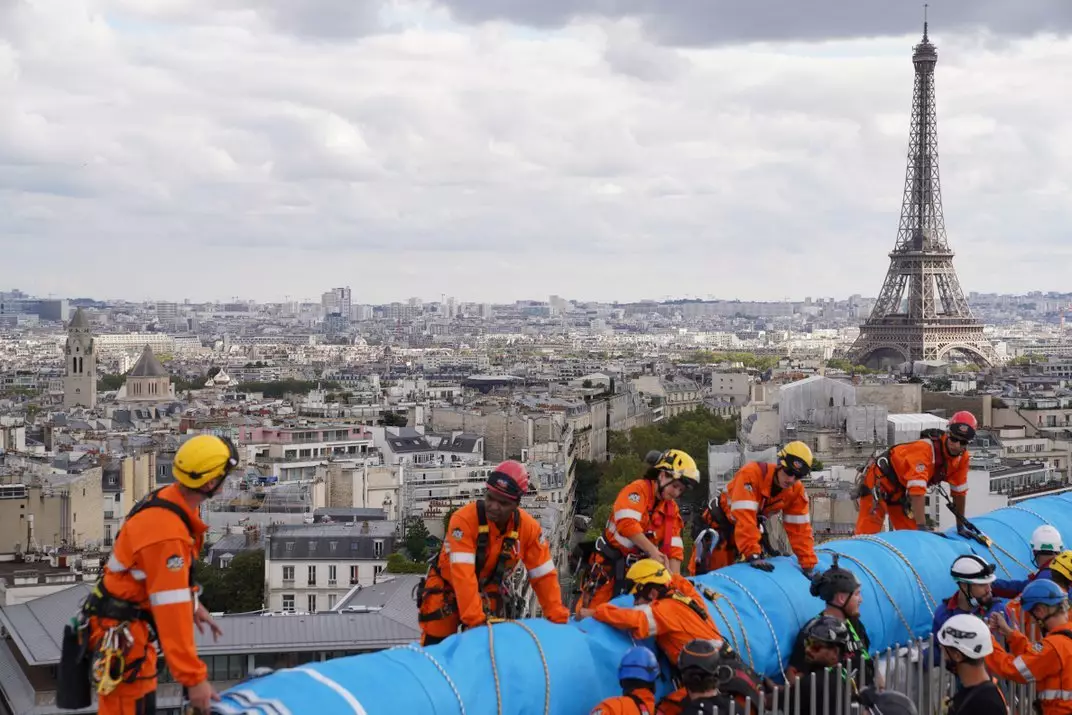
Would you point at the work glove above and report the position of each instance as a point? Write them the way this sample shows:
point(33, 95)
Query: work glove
point(758, 562)
point(810, 573)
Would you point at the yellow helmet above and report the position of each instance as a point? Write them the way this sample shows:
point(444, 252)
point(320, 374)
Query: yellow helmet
point(202, 459)
point(1062, 564)
point(796, 458)
point(647, 571)
point(679, 464)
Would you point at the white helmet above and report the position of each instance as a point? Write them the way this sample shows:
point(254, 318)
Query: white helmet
point(972, 569)
point(1046, 539)
point(968, 634)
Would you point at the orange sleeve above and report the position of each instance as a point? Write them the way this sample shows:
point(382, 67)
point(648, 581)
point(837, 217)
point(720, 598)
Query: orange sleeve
point(957, 476)
point(914, 465)
point(639, 620)
point(536, 555)
point(461, 540)
point(630, 508)
point(796, 518)
point(1030, 665)
point(744, 492)
point(674, 525)
point(167, 581)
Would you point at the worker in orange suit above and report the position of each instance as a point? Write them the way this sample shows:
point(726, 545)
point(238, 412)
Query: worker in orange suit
point(637, 673)
point(761, 490)
point(465, 585)
point(645, 522)
point(1047, 663)
point(146, 594)
point(896, 481)
point(666, 606)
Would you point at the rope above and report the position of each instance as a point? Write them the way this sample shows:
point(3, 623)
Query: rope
point(877, 580)
point(442, 671)
point(714, 597)
point(495, 668)
point(924, 591)
point(994, 545)
point(762, 612)
point(1024, 509)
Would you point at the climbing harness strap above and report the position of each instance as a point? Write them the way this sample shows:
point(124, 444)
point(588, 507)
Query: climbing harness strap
point(640, 706)
point(696, 608)
point(496, 577)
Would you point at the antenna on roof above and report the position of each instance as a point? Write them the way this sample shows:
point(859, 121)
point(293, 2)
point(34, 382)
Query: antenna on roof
point(925, 5)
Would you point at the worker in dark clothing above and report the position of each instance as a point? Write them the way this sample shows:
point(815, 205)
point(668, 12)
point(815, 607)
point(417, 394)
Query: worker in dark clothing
point(840, 590)
point(826, 643)
point(698, 664)
point(966, 642)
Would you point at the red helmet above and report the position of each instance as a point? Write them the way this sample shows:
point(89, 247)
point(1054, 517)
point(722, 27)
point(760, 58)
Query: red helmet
point(962, 425)
point(509, 480)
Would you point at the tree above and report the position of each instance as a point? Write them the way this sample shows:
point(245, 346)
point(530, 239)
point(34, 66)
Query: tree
point(394, 419)
point(816, 464)
point(239, 588)
point(586, 384)
point(417, 539)
point(398, 563)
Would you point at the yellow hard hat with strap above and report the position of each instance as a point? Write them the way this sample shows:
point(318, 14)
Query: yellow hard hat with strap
point(1062, 564)
point(647, 571)
point(796, 459)
point(203, 459)
point(679, 465)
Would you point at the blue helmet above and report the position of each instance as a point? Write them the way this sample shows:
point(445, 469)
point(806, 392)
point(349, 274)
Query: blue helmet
point(638, 663)
point(1044, 591)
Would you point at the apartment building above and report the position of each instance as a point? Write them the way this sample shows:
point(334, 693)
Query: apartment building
point(125, 480)
point(309, 568)
point(50, 510)
point(293, 453)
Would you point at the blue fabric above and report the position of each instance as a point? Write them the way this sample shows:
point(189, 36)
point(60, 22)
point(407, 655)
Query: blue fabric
point(583, 658)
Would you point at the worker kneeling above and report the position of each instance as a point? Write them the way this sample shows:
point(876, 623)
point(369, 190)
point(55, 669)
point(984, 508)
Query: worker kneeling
point(637, 673)
point(666, 607)
point(145, 596)
point(645, 522)
point(756, 490)
point(466, 582)
point(1047, 664)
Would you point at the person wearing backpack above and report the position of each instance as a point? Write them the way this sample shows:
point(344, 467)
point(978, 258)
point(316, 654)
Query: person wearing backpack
point(637, 673)
point(146, 596)
point(895, 483)
point(966, 642)
point(1047, 664)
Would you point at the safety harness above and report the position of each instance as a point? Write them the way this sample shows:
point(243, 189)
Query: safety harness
point(884, 464)
point(595, 575)
point(483, 539)
point(716, 516)
point(110, 667)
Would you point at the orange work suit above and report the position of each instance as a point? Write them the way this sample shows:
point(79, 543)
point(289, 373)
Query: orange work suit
point(673, 620)
point(1048, 665)
point(749, 495)
point(673, 703)
point(1014, 614)
point(149, 568)
point(917, 466)
point(639, 702)
point(454, 593)
point(637, 510)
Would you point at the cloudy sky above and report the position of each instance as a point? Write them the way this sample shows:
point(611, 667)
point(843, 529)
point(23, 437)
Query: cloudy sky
point(503, 149)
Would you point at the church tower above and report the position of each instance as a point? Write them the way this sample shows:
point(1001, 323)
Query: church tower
point(80, 381)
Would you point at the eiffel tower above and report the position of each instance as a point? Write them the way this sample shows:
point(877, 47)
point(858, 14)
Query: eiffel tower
point(921, 312)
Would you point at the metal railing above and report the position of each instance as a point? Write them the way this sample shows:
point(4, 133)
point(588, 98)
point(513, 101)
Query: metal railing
point(909, 669)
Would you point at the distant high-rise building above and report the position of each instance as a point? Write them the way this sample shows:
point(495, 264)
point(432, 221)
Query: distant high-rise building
point(336, 301)
point(80, 381)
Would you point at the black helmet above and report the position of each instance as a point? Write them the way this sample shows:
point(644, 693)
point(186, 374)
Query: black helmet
point(827, 629)
point(833, 581)
point(699, 654)
point(887, 702)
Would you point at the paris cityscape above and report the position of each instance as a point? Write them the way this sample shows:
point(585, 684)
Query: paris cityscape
point(373, 373)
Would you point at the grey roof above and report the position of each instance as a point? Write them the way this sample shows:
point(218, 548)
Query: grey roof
point(147, 365)
point(36, 629)
point(17, 688)
point(349, 513)
point(331, 541)
point(78, 320)
point(393, 596)
point(461, 443)
point(408, 444)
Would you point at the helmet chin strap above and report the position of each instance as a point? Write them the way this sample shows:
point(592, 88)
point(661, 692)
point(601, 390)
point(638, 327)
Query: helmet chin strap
point(974, 602)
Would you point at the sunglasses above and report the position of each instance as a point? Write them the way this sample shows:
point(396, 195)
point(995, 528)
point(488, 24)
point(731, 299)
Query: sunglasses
point(958, 440)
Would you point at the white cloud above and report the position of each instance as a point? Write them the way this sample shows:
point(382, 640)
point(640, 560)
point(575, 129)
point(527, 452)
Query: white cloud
point(186, 149)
